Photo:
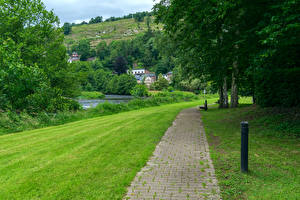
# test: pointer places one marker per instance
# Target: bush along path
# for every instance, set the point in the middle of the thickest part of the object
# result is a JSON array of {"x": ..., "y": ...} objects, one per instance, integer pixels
[{"x": 180, "y": 167}]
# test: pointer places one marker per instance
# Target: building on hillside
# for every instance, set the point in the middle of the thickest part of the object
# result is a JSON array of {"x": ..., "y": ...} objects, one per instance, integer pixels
[
  {"x": 149, "y": 79},
  {"x": 143, "y": 75},
  {"x": 74, "y": 57},
  {"x": 139, "y": 78},
  {"x": 138, "y": 71},
  {"x": 168, "y": 76}
]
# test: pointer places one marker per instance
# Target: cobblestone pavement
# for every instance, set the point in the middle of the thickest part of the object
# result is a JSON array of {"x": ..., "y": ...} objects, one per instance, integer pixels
[{"x": 180, "y": 167}]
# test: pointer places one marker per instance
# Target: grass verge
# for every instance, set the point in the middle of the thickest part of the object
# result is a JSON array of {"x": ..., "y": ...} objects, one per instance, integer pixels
[
  {"x": 274, "y": 152},
  {"x": 89, "y": 159}
]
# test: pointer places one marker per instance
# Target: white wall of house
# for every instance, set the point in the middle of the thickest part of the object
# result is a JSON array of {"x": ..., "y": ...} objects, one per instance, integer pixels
[
  {"x": 149, "y": 81},
  {"x": 136, "y": 71}
]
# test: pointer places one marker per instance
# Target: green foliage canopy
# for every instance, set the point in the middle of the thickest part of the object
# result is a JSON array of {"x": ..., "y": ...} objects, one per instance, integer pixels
[
  {"x": 34, "y": 71},
  {"x": 139, "y": 91},
  {"x": 238, "y": 41}
]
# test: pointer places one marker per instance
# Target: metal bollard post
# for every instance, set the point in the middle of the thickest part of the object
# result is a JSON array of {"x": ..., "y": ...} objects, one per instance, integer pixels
[
  {"x": 205, "y": 105},
  {"x": 244, "y": 146}
]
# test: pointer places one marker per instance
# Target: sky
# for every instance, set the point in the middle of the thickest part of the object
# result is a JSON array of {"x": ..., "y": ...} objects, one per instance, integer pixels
[{"x": 83, "y": 10}]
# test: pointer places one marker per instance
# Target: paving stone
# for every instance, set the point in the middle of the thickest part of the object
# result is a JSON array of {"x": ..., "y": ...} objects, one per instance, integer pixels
[{"x": 180, "y": 168}]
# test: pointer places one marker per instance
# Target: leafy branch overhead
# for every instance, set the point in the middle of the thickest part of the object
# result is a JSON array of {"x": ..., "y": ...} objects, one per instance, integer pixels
[{"x": 251, "y": 44}]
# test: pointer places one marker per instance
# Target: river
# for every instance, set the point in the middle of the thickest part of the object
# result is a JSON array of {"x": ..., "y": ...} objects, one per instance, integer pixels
[{"x": 116, "y": 99}]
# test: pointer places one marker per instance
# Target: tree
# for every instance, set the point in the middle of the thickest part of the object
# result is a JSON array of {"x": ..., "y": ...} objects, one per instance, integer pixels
[
  {"x": 148, "y": 22},
  {"x": 161, "y": 83},
  {"x": 102, "y": 50},
  {"x": 139, "y": 17},
  {"x": 198, "y": 39},
  {"x": 120, "y": 65},
  {"x": 83, "y": 49},
  {"x": 19, "y": 82},
  {"x": 275, "y": 67},
  {"x": 237, "y": 42},
  {"x": 139, "y": 91},
  {"x": 102, "y": 79},
  {"x": 33, "y": 54},
  {"x": 67, "y": 27},
  {"x": 126, "y": 83},
  {"x": 98, "y": 19}
]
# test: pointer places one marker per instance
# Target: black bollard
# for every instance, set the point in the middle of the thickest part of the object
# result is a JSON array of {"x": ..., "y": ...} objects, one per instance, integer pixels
[
  {"x": 205, "y": 105},
  {"x": 244, "y": 146}
]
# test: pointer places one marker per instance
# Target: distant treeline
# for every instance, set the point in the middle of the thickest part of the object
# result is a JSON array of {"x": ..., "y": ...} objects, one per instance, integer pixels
[{"x": 139, "y": 17}]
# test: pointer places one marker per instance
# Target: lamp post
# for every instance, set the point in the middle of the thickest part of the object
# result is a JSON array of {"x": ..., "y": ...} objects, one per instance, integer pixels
[{"x": 244, "y": 146}]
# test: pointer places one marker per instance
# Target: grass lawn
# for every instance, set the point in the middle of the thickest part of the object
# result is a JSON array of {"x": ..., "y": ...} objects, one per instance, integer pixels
[
  {"x": 89, "y": 159},
  {"x": 274, "y": 152}
]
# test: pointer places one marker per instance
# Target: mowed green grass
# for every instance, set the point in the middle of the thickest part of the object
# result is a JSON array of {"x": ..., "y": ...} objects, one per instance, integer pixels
[
  {"x": 274, "y": 153},
  {"x": 89, "y": 159}
]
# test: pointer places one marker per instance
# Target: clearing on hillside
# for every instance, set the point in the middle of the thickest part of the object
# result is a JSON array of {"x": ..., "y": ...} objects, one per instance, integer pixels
[{"x": 108, "y": 31}]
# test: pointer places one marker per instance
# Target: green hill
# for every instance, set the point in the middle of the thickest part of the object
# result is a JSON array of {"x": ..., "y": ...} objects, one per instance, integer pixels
[{"x": 108, "y": 31}]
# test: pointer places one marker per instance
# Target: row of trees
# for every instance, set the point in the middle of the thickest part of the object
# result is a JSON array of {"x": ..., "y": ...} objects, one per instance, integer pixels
[
  {"x": 34, "y": 73},
  {"x": 245, "y": 47},
  {"x": 139, "y": 17}
]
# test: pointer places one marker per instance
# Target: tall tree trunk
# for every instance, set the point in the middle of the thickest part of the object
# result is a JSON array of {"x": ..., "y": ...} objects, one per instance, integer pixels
[
  {"x": 253, "y": 99},
  {"x": 221, "y": 97},
  {"x": 225, "y": 93},
  {"x": 234, "y": 90}
]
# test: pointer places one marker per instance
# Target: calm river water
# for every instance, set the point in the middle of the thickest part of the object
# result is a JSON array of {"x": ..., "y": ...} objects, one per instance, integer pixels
[{"x": 117, "y": 99}]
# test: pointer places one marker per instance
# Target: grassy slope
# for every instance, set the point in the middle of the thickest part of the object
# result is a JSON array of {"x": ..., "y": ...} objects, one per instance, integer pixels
[
  {"x": 119, "y": 30},
  {"x": 89, "y": 159},
  {"x": 274, "y": 161}
]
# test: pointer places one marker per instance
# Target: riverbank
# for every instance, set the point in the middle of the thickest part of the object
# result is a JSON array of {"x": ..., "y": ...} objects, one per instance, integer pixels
[
  {"x": 12, "y": 122},
  {"x": 91, "y": 95},
  {"x": 87, "y": 103}
]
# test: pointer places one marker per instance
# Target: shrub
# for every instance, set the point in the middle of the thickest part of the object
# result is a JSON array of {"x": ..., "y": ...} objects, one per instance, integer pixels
[
  {"x": 91, "y": 95},
  {"x": 178, "y": 95},
  {"x": 161, "y": 83},
  {"x": 170, "y": 89},
  {"x": 109, "y": 108},
  {"x": 139, "y": 91}
]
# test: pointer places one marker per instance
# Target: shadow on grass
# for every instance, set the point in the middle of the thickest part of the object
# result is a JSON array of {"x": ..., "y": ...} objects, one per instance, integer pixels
[{"x": 274, "y": 154}]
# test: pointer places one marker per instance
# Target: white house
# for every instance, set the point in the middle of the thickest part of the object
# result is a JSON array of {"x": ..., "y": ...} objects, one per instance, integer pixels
[
  {"x": 149, "y": 79},
  {"x": 137, "y": 71}
]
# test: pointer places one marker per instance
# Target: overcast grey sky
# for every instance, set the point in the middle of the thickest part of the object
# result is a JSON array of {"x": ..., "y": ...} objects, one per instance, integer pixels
[{"x": 83, "y": 10}]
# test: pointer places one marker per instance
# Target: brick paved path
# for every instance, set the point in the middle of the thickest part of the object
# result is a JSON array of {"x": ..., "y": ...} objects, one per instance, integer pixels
[{"x": 180, "y": 167}]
